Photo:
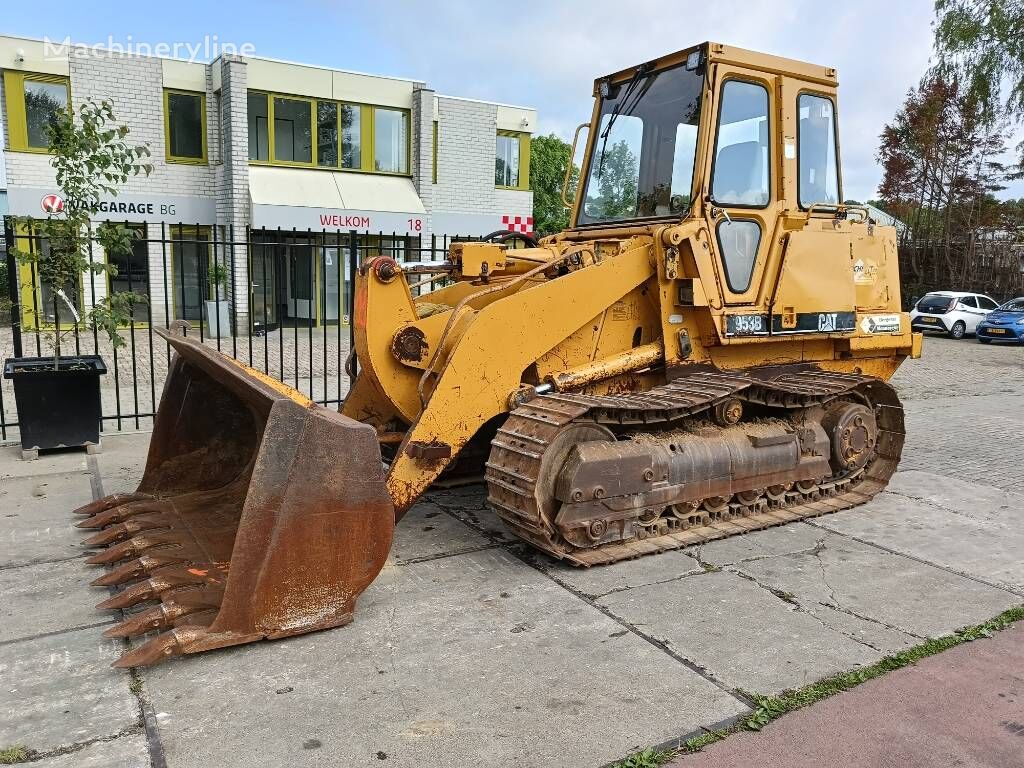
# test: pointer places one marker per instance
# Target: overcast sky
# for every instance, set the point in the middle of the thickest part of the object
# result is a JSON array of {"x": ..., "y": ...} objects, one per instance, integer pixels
[{"x": 539, "y": 53}]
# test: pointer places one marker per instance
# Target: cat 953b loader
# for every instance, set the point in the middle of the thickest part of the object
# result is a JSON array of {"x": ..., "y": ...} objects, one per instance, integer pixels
[{"x": 703, "y": 353}]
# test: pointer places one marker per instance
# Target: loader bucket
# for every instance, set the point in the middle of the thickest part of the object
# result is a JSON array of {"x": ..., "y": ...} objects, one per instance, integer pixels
[{"x": 260, "y": 514}]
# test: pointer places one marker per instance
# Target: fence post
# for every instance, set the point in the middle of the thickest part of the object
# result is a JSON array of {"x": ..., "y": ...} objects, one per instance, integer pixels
[
  {"x": 350, "y": 290},
  {"x": 12, "y": 287}
]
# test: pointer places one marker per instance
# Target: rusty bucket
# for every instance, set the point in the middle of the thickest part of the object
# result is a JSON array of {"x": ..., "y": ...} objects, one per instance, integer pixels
[{"x": 260, "y": 514}]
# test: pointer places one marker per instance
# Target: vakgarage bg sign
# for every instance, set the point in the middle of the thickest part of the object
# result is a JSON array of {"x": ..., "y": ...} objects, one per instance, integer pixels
[
  {"x": 168, "y": 209},
  {"x": 265, "y": 216}
]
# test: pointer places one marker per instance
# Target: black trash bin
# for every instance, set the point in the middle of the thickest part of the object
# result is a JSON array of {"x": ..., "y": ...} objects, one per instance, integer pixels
[{"x": 57, "y": 407}]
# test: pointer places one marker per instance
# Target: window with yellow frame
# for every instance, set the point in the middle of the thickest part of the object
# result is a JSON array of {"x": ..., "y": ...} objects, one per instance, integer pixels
[
  {"x": 42, "y": 307},
  {"x": 33, "y": 103},
  {"x": 185, "y": 126},
  {"x": 320, "y": 133},
  {"x": 512, "y": 160}
]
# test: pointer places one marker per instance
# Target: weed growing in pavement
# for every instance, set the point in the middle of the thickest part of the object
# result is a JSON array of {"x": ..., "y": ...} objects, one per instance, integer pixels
[
  {"x": 649, "y": 758},
  {"x": 15, "y": 754}
]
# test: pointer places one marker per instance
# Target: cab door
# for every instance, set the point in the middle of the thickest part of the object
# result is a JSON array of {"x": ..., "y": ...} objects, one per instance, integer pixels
[{"x": 741, "y": 200}]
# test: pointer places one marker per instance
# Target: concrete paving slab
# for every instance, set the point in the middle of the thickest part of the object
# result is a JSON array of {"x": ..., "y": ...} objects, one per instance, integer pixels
[
  {"x": 60, "y": 690},
  {"x": 875, "y": 587},
  {"x": 657, "y": 569},
  {"x": 986, "y": 549},
  {"x": 130, "y": 751},
  {"x": 49, "y": 597},
  {"x": 863, "y": 630},
  {"x": 770, "y": 542},
  {"x": 742, "y": 634},
  {"x": 975, "y": 500},
  {"x": 36, "y": 520},
  {"x": 469, "y": 503},
  {"x": 428, "y": 531},
  {"x": 49, "y": 463},
  {"x": 958, "y": 708},
  {"x": 474, "y": 658}
]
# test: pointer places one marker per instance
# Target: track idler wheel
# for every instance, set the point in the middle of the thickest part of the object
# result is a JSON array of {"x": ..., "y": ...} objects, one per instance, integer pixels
[{"x": 853, "y": 433}]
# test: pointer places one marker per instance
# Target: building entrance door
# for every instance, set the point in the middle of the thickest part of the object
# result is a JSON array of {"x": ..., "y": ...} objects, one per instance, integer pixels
[
  {"x": 263, "y": 300},
  {"x": 300, "y": 281}
]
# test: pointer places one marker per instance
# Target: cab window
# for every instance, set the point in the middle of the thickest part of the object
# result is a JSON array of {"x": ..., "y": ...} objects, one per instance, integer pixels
[
  {"x": 741, "y": 169},
  {"x": 986, "y": 303},
  {"x": 968, "y": 301},
  {"x": 818, "y": 181},
  {"x": 738, "y": 242}
]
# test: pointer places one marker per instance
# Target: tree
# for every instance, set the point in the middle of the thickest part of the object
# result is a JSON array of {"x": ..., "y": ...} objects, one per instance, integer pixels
[
  {"x": 549, "y": 157},
  {"x": 980, "y": 44},
  {"x": 91, "y": 157},
  {"x": 612, "y": 190},
  {"x": 941, "y": 174}
]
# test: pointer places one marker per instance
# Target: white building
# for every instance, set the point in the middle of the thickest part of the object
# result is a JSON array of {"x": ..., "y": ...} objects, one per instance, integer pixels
[{"x": 245, "y": 148}]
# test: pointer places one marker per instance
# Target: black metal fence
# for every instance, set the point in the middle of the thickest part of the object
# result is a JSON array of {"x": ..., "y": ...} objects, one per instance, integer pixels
[{"x": 276, "y": 300}]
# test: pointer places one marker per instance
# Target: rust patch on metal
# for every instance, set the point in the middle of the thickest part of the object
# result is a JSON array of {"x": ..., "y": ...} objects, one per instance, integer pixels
[
  {"x": 258, "y": 516},
  {"x": 409, "y": 345},
  {"x": 428, "y": 451}
]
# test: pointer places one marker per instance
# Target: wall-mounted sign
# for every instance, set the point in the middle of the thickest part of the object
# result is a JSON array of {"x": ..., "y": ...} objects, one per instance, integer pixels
[
  {"x": 265, "y": 216},
  {"x": 169, "y": 209}
]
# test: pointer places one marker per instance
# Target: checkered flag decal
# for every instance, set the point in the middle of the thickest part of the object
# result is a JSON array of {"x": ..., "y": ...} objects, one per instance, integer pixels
[{"x": 522, "y": 224}]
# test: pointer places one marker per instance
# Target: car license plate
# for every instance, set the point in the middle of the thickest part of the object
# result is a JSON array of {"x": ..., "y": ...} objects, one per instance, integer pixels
[
  {"x": 929, "y": 320},
  {"x": 997, "y": 330}
]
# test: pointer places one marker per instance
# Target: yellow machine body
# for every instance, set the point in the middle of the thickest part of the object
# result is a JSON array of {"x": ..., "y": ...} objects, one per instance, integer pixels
[{"x": 686, "y": 362}]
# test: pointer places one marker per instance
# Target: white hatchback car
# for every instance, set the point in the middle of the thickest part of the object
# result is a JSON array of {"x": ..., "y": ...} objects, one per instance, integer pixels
[{"x": 954, "y": 313}]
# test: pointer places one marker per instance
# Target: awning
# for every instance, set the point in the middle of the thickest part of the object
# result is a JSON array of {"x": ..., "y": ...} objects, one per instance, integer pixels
[{"x": 317, "y": 200}]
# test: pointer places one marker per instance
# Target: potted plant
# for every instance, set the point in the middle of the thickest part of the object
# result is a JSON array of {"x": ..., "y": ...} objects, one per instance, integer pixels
[
  {"x": 58, "y": 397},
  {"x": 218, "y": 318}
]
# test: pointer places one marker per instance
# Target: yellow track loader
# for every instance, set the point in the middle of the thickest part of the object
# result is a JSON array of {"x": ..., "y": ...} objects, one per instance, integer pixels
[{"x": 703, "y": 353}]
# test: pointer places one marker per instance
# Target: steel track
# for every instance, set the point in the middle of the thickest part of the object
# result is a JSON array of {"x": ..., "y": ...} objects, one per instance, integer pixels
[{"x": 513, "y": 470}]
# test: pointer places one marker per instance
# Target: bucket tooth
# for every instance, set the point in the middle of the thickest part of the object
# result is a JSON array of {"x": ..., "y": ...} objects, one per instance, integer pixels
[
  {"x": 133, "y": 547},
  {"x": 139, "y": 624},
  {"x": 111, "y": 501},
  {"x": 121, "y": 531},
  {"x": 132, "y": 595},
  {"x": 164, "y": 580},
  {"x": 134, "y": 569},
  {"x": 118, "y": 514},
  {"x": 159, "y": 616},
  {"x": 164, "y": 646}
]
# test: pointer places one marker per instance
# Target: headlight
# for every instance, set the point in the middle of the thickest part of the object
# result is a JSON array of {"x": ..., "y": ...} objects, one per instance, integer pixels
[{"x": 1020, "y": 321}]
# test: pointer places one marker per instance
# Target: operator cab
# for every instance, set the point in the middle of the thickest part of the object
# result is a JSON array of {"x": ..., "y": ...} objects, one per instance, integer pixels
[{"x": 702, "y": 126}]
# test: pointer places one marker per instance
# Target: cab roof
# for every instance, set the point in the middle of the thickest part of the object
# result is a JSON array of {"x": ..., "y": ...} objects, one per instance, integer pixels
[{"x": 719, "y": 53}]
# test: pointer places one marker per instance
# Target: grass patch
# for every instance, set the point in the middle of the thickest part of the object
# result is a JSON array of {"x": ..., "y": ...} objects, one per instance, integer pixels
[
  {"x": 649, "y": 758},
  {"x": 770, "y": 708},
  {"x": 15, "y": 754}
]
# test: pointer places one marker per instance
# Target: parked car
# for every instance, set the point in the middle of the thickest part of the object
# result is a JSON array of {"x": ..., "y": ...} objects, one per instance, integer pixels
[
  {"x": 1006, "y": 323},
  {"x": 954, "y": 313}
]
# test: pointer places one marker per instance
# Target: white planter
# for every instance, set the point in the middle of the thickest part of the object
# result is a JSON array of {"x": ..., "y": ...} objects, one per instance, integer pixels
[{"x": 217, "y": 312}]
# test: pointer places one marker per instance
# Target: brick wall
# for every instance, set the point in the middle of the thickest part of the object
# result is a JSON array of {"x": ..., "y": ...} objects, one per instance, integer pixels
[{"x": 467, "y": 133}]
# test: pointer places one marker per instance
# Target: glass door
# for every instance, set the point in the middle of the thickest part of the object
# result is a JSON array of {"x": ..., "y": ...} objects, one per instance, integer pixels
[
  {"x": 263, "y": 301},
  {"x": 191, "y": 252},
  {"x": 330, "y": 268}
]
